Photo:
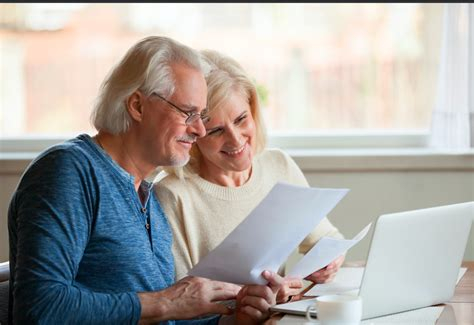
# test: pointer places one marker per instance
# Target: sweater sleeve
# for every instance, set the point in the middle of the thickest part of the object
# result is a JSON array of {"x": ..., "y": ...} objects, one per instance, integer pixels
[{"x": 50, "y": 219}]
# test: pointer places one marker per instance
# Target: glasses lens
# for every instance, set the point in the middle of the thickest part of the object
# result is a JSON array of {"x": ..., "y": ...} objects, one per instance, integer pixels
[
  {"x": 192, "y": 119},
  {"x": 205, "y": 119}
]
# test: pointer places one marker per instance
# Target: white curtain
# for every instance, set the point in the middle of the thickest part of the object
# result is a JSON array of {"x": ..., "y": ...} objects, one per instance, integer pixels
[{"x": 452, "y": 124}]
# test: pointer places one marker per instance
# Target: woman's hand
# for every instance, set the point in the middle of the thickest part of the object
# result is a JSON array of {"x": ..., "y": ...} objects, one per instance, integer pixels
[
  {"x": 254, "y": 301},
  {"x": 326, "y": 274},
  {"x": 291, "y": 287}
]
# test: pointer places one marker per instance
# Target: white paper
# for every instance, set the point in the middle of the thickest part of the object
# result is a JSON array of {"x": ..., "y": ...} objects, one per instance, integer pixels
[
  {"x": 265, "y": 239},
  {"x": 461, "y": 274},
  {"x": 346, "y": 279},
  {"x": 325, "y": 251}
]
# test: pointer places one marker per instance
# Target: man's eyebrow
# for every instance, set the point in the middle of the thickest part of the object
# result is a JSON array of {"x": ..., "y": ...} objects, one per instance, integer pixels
[
  {"x": 189, "y": 107},
  {"x": 193, "y": 108}
]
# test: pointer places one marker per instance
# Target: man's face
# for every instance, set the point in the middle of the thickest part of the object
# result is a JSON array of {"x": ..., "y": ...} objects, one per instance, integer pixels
[{"x": 168, "y": 139}]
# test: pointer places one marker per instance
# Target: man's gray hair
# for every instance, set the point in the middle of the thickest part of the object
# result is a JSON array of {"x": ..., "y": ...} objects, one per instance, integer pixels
[{"x": 146, "y": 67}]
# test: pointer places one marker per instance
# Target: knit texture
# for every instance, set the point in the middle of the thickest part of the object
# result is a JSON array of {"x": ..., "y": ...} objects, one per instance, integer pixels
[{"x": 202, "y": 214}]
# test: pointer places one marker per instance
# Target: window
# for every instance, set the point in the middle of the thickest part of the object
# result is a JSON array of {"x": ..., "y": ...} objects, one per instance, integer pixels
[{"x": 320, "y": 68}]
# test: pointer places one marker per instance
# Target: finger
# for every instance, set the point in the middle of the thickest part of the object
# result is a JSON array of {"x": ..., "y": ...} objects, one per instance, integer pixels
[
  {"x": 221, "y": 295},
  {"x": 219, "y": 309},
  {"x": 331, "y": 277},
  {"x": 286, "y": 296},
  {"x": 297, "y": 297},
  {"x": 293, "y": 292},
  {"x": 226, "y": 286},
  {"x": 319, "y": 278},
  {"x": 254, "y": 313},
  {"x": 325, "y": 275},
  {"x": 320, "y": 271},
  {"x": 256, "y": 302},
  {"x": 262, "y": 291},
  {"x": 322, "y": 281},
  {"x": 327, "y": 278},
  {"x": 315, "y": 274},
  {"x": 288, "y": 292},
  {"x": 326, "y": 272},
  {"x": 242, "y": 293},
  {"x": 293, "y": 282},
  {"x": 275, "y": 281},
  {"x": 224, "y": 291}
]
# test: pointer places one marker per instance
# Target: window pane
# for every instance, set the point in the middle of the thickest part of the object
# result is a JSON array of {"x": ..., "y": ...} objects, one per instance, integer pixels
[{"x": 318, "y": 66}]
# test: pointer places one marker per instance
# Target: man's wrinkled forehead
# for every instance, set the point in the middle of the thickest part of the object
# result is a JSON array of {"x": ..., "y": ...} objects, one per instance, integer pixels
[{"x": 190, "y": 87}]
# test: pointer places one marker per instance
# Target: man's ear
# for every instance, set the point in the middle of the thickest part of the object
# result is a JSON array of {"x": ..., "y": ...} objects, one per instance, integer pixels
[{"x": 135, "y": 105}]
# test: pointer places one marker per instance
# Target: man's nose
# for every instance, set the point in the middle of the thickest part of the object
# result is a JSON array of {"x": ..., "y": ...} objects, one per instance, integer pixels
[{"x": 197, "y": 128}]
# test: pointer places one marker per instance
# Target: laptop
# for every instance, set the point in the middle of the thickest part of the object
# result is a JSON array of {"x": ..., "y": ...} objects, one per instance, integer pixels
[{"x": 413, "y": 262}]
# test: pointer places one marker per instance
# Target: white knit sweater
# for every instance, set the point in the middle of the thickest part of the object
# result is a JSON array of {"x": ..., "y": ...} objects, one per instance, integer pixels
[{"x": 202, "y": 214}]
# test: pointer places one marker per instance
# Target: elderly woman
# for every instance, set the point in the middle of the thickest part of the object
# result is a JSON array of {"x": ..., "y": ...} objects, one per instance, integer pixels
[{"x": 229, "y": 173}]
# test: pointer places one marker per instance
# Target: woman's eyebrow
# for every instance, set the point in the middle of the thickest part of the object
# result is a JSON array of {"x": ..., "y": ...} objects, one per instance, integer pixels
[
  {"x": 241, "y": 114},
  {"x": 220, "y": 126},
  {"x": 213, "y": 129}
]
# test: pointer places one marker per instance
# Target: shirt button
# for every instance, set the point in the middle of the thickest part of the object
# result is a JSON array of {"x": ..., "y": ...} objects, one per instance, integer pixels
[{"x": 144, "y": 210}]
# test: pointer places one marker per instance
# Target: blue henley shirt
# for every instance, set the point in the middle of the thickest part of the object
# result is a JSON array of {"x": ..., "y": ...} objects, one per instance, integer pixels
[{"x": 79, "y": 247}]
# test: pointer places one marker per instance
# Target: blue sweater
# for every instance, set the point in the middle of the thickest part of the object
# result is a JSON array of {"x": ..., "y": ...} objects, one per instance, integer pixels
[{"x": 79, "y": 247}]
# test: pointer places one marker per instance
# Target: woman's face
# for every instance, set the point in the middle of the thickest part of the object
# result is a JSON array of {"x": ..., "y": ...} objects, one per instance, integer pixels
[{"x": 229, "y": 143}]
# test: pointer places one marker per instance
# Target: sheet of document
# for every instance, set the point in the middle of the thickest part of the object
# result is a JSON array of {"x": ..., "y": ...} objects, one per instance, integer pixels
[
  {"x": 265, "y": 239},
  {"x": 324, "y": 252},
  {"x": 346, "y": 279}
]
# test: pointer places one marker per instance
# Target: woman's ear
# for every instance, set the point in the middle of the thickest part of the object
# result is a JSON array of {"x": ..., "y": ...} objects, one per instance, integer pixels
[{"x": 135, "y": 106}]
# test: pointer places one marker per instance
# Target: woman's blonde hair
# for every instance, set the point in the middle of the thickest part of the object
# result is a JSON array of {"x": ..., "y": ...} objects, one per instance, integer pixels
[{"x": 227, "y": 76}]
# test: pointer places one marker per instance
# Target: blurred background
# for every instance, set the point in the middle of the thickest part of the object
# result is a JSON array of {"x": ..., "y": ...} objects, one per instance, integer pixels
[
  {"x": 328, "y": 67},
  {"x": 348, "y": 90}
]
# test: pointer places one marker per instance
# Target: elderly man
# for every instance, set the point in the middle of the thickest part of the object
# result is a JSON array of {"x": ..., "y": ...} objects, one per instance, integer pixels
[{"x": 89, "y": 242}]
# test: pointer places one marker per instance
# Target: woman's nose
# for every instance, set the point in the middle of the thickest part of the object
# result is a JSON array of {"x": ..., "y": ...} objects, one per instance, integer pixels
[{"x": 233, "y": 137}]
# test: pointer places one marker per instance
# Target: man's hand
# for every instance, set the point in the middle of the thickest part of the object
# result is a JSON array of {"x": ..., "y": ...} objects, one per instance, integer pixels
[
  {"x": 254, "y": 301},
  {"x": 326, "y": 274},
  {"x": 188, "y": 298},
  {"x": 291, "y": 287}
]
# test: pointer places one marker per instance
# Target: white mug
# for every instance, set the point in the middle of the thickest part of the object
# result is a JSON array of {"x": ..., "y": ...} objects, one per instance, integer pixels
[{"x": 336, "y": 309}]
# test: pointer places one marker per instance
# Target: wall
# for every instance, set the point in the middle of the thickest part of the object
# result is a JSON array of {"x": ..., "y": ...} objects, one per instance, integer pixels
[
  {"x": 390, "y": 181},
  {"x": 380, "y": 182},
  {"x": 376, "y": 193}
]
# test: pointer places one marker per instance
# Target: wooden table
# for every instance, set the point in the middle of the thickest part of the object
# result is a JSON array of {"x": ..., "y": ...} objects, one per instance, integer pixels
[{"x": 459, "y": 310}]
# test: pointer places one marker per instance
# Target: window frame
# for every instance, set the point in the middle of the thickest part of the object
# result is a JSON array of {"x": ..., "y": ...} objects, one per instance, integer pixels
[
  {"x": 287, "y": 140},
  {"x": 321, "y": 153}
]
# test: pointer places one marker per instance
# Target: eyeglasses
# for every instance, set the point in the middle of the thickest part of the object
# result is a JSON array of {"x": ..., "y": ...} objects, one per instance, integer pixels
[{"x": 191, "y": 117}]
